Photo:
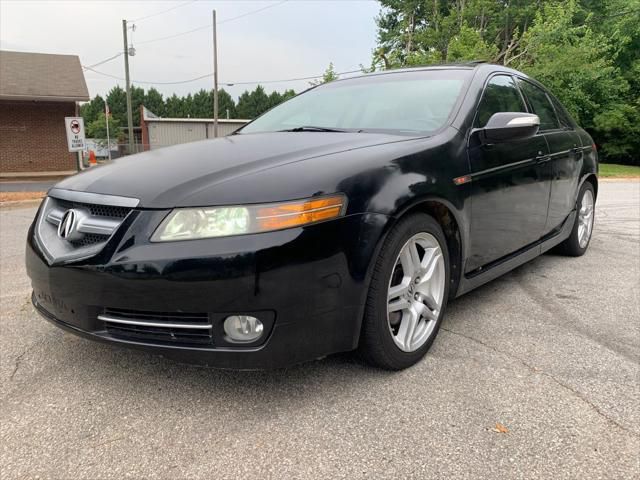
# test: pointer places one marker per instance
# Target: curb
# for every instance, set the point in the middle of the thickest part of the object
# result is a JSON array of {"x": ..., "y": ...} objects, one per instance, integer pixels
[{"x": 619, "y": 179}]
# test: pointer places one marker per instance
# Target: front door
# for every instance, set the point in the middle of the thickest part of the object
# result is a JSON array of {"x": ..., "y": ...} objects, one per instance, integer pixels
[{"x": 510, "y": 193}]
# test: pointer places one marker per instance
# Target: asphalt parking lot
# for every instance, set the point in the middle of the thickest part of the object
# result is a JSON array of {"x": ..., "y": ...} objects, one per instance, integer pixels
[{"x": 551, "y": 351}]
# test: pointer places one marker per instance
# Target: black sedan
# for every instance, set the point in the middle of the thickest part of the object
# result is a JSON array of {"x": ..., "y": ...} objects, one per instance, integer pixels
[{"x": 343, "y": 219}]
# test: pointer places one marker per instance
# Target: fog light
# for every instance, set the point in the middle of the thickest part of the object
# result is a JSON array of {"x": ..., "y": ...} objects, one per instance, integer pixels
[{"x": 243, "y": 328}]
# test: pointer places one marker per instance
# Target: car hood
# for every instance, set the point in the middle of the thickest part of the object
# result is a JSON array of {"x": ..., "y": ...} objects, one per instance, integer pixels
[{"x": 168, "y": 177}]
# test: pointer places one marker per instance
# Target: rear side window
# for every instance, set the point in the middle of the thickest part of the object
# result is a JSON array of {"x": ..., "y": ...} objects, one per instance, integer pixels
[
  {"x": 500, "y": 95},
  {"x": 540, "y": 105},
  {"x": 564, "y": 117}
]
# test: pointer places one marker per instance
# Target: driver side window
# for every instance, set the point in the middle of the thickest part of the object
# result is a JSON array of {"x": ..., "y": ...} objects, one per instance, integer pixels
[{"x": 500, "y": 95}]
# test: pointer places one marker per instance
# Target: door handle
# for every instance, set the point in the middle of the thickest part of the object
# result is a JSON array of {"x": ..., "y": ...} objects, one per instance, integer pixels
[
  {"x": 577, "y": 152},
  {"x": 542, "y": 158}
]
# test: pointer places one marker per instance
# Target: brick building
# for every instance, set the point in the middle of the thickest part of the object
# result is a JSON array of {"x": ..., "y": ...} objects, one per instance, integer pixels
[{"x": 36, "y": 92}]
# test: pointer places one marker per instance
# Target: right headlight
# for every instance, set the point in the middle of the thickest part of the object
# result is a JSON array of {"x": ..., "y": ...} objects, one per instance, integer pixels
[{"x": 211, "y": 222}]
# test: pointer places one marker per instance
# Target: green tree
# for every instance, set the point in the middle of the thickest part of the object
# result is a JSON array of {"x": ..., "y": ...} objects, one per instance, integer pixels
[
  {"x": 573, "y": 61},
  {"x": 252, "y": 104},
  {"x": 202, "y": 106},
  {"x": 97, "y": 129},
  {"x": 187, "y": 106},
  {"x": 275, "y": 98},
  {"x": 154, "y": 102},
  {"x": 587, "y": 52},
  {"x": 173, "y": 107},
  {"x": 468, "y": 44},
  {"x": 288, "y": 94},
  {"x": 328, "y": 76},
  {"x": 91, "y": 110},
  {"x": 617, "y": 126},
  {"x": 580, "y": 65},
  {"x": 225, "y": 104},
  {"x": 117, "y": 100},
  {"x": 137, "y": 100}
]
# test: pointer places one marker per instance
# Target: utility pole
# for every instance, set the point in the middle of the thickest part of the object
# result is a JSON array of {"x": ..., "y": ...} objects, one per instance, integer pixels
[
  {"x": 215, "y": 78},
  {"x": 106, "y": 121},
  {"x": 126, "y": 75}
]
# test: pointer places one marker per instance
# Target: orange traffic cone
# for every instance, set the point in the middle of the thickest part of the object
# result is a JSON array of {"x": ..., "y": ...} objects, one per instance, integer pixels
[{"x": 92, "y": 159}]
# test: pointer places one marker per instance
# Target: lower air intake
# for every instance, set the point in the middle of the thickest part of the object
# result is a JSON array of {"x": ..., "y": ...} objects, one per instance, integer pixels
[{"x": 175, "y": 328}]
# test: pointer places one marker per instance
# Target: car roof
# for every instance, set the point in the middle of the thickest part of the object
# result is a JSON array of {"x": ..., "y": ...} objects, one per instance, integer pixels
[{"x": 486, "y": 67}]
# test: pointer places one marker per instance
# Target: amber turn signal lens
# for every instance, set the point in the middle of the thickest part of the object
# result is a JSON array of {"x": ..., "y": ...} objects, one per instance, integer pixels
[{"x": 293, "y": 214}]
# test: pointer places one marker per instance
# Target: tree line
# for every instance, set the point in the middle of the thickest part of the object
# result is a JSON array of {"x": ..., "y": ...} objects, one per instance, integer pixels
[
  {"x": 587, "y": 52},
  {"x": 199, "y": 105}
]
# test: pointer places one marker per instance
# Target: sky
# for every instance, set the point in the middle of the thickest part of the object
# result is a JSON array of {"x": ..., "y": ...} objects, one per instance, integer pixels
[{"x": 283, "y": 40}]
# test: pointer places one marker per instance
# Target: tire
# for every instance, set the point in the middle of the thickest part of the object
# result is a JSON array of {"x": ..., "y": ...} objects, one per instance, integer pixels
[
  {"x": 386, "y": 341},
  {"x": 576, "y": 244}
]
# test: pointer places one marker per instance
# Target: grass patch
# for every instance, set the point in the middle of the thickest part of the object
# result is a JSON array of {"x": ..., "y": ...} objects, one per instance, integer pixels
[{"x": 612, "y": 170}]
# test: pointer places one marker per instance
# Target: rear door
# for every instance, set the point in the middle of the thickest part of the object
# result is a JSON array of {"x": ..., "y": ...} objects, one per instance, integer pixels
[
  {"x": 509, "y": 194},
  {"x": 565, "y": 153}
]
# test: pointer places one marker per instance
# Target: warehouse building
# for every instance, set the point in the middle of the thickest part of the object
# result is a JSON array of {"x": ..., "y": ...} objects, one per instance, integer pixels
[
  {"x": 161, "y": 132},
  {"x": 36, "y": 92}
]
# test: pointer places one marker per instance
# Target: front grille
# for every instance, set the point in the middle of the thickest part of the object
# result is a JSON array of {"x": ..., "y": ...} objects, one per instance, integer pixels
[
  {"x": 89, "y": 239},
  {"x": 173, "y": 328},
  {"x": 90, "y": 221},
  {"x": 96, "y": 210}
]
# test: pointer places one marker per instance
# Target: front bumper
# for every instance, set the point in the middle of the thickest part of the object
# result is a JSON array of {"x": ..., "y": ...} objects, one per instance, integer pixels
[{"x": 309, "y": 284}]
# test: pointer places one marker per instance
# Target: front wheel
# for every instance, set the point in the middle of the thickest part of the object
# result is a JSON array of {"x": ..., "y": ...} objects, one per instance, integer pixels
[
  {"x": 578, "y": 241},
  {"x": 408, "y": 294}
]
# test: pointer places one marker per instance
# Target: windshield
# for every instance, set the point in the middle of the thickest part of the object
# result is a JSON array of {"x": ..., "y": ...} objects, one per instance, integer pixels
[{"x": 407, "y": 102}]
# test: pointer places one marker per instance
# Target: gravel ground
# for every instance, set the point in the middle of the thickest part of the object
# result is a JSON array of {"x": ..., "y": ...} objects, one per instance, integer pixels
[
  {"x": 26, "y": 186},
  {"x": 551, "y": 351},
  {"x": 11, "y": 197}
]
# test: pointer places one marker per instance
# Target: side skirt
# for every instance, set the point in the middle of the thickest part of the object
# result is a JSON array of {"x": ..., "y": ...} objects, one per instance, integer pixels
[{"x": 508, "y": 263}]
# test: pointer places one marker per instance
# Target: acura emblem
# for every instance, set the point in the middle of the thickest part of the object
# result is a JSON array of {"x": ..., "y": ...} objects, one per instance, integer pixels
[{"x": 68, "y": 224}]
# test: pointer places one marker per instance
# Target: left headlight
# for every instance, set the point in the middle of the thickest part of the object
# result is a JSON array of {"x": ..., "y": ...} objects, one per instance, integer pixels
[{"x": 210, "y": 222}]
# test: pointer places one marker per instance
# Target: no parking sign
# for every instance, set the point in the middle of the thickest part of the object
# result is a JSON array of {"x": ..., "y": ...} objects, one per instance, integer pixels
[{"x": 75, "y": 133}]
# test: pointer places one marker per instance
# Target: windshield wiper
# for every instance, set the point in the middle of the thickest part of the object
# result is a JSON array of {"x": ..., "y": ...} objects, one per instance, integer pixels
[{"x": 310, "y": 128}]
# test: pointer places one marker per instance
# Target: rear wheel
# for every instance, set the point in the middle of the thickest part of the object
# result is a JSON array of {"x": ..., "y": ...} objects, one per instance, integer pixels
[
  {"x": 408, "y": 294},
  {"x": 578, "y": 241}
]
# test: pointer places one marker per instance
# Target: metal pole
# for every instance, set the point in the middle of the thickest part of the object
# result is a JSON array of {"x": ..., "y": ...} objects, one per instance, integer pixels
[
  {"x": 126, "y": 75},
  {"x": 106, "y": 119},
  {"x": 79, "y": 154},
  {"x": 215, "y": 78}
]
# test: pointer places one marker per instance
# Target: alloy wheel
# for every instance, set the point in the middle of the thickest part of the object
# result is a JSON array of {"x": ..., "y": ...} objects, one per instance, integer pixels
[
  {"x": 416, "y": 292},
  {"x": 585, "y": 218}
]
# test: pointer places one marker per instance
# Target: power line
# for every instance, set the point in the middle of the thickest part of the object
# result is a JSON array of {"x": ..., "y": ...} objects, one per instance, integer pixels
[
  {"x": 252, "y": 12},
  {"x": 204, "y": 27},
  {"x": 227, "y": 84},
  {"x": 105, "y": 60},
  {"x": 174, "y": 35},
  {"x": 140, "y": 19},
  {"x": 182, "y": 33},
  {"x": 102, "y": 73},
  {"x": 290, "y": 79}
]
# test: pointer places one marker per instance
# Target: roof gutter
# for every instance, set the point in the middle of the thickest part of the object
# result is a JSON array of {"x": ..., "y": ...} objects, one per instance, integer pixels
[{"x": 45, "y": 98}]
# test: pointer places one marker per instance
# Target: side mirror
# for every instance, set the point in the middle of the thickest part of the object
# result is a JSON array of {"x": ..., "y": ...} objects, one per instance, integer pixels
[{"x": 509, "y": 126}]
